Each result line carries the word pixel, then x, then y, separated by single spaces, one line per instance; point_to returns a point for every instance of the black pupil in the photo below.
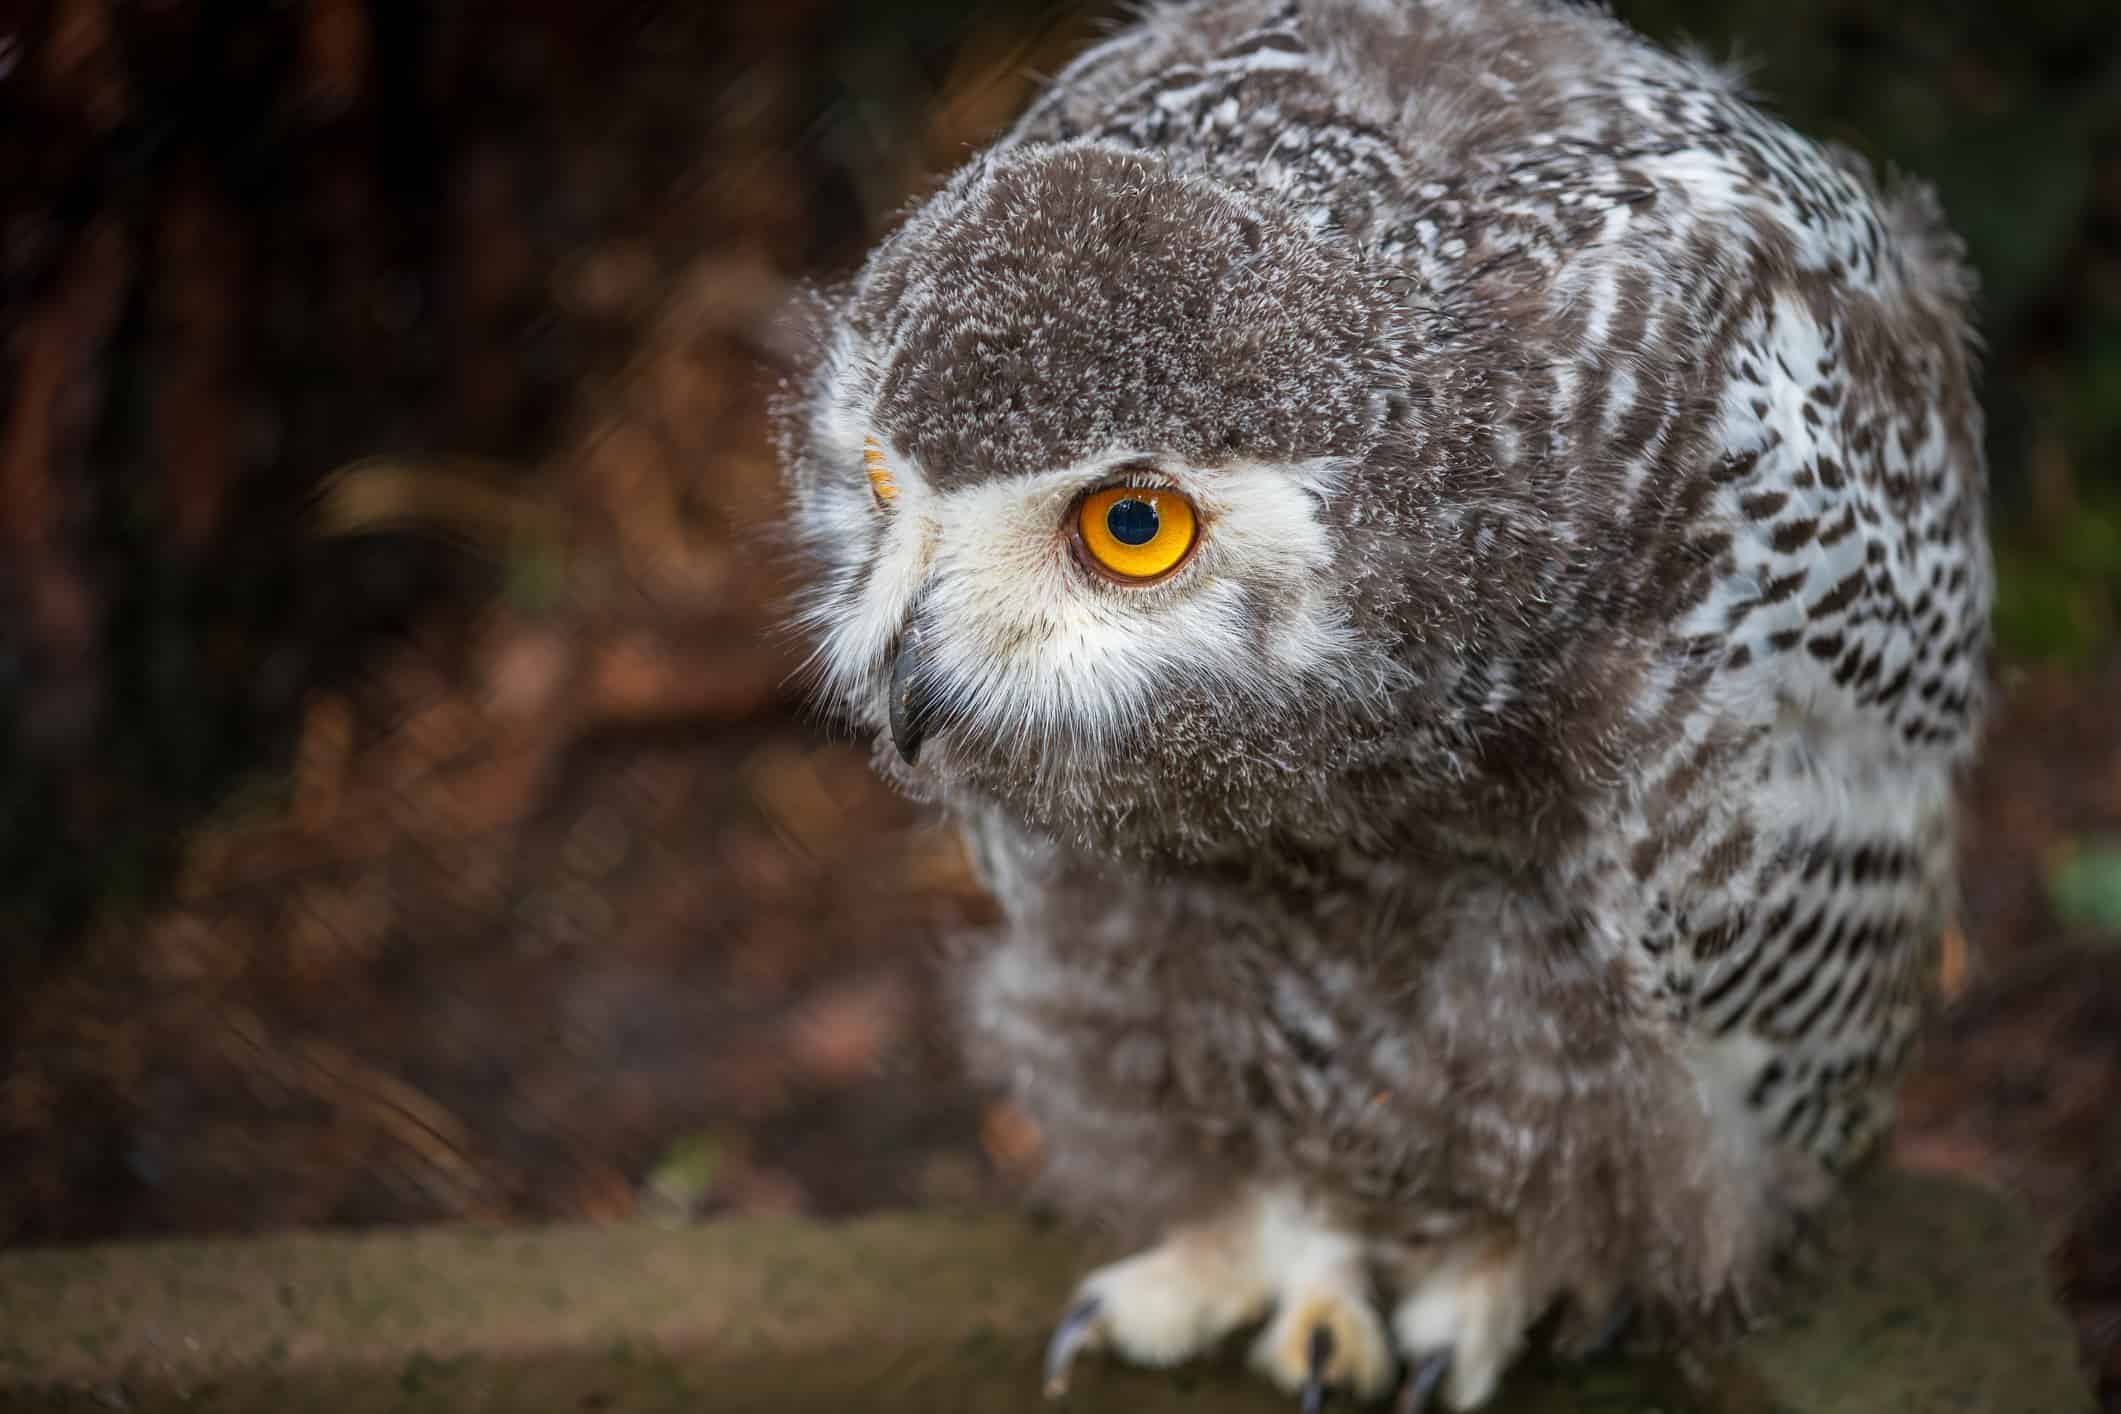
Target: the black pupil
pixel 1132 521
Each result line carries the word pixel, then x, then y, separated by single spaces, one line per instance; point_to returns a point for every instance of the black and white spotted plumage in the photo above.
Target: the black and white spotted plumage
pixel 1531 809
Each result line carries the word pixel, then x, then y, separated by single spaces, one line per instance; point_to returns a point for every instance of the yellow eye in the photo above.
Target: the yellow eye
pixel 1135 533
pixel 880 482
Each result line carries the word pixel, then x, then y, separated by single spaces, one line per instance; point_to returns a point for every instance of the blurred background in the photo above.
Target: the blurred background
pixel 404 811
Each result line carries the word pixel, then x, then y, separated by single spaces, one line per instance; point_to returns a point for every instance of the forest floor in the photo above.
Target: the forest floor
pixel 559 906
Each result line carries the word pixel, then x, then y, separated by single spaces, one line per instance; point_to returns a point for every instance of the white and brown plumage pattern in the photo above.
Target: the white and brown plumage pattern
pixel 1505 863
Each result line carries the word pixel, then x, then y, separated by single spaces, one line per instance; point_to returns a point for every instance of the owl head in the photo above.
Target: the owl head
pixel 1085 483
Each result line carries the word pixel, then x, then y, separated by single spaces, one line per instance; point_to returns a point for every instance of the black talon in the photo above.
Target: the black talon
pixel 1313 1396
pixel 1616 1324
pixel 1422 1381
pixel 1069 1338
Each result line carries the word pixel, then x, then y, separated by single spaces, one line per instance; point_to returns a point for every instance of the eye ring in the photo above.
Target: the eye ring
pixel 1133 535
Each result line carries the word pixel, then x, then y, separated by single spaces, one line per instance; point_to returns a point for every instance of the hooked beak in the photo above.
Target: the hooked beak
pixel 911 709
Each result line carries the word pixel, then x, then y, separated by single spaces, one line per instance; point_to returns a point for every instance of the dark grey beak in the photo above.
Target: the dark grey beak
pixel 911 710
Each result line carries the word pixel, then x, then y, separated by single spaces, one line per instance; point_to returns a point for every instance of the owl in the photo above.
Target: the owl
pixel 1436 555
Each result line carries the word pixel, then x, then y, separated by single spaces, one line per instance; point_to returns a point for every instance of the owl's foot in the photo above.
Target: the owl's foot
pixel 1165 1305
pixel 1168 1304
pixel 1326 1336
pixel 1462 1315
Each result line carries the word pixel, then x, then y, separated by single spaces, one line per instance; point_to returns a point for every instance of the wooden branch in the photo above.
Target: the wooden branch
pixel 1934 1300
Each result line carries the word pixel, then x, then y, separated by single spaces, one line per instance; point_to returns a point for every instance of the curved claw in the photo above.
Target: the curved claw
pixel 1422 1382
pixel 1320 1350
pixel 1609 1334
pixel 1078 1331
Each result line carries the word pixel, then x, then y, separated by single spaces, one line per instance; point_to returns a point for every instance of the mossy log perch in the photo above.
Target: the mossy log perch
pixel 1933 1300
